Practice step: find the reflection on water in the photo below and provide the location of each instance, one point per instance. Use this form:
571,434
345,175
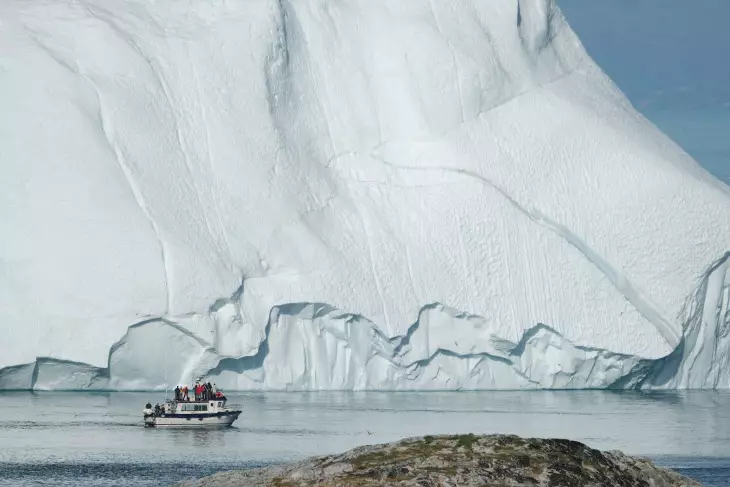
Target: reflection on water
206,439
42,433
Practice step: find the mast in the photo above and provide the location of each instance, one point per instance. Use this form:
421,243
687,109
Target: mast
166,364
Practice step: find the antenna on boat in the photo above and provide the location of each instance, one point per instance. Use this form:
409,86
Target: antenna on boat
166,365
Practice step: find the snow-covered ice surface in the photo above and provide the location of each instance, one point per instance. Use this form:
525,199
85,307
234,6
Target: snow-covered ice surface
307,194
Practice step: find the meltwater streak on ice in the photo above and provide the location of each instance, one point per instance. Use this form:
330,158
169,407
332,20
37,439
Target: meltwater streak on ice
170,88
632,295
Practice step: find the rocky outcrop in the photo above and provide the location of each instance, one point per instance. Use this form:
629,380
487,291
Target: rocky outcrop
462,460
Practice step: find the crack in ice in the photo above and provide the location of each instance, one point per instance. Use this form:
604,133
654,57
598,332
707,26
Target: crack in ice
106,129
633,295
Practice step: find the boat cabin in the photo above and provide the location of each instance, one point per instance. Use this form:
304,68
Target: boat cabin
192,413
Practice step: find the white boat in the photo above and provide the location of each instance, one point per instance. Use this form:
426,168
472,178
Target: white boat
192,414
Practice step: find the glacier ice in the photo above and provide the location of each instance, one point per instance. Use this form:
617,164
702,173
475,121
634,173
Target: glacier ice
313,346
314,194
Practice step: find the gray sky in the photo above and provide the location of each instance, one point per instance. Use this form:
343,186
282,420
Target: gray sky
672,59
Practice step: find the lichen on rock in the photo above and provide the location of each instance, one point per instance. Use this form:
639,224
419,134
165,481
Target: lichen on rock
462,460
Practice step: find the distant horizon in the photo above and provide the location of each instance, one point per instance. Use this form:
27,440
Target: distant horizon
671,60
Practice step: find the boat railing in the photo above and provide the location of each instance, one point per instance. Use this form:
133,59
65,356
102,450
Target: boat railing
235,407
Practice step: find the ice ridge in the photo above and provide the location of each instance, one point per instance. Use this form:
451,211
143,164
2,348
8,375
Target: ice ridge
314,346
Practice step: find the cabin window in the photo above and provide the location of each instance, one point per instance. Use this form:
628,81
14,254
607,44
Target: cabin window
194,407
220,404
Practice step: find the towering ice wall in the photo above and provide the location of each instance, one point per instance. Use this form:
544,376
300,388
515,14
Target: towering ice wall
342,194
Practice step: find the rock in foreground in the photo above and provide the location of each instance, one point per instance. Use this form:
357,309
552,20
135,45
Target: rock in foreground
462,460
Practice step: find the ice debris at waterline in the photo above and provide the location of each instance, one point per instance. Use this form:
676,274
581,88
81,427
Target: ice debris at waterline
314,347
193,167
463,460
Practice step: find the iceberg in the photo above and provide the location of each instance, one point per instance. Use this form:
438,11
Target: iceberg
312,346
332,194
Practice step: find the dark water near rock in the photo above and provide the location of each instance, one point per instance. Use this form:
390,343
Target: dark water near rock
90,439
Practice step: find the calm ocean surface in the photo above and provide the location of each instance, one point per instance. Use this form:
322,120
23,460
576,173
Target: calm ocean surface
84,439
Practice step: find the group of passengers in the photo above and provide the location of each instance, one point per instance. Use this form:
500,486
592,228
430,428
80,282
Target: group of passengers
202,392
148,411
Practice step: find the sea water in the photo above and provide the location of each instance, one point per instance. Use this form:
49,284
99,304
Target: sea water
84,439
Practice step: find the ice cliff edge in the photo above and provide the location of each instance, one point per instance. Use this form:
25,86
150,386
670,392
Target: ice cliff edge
282,193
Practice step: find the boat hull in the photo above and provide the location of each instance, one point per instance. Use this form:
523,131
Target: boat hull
217,420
